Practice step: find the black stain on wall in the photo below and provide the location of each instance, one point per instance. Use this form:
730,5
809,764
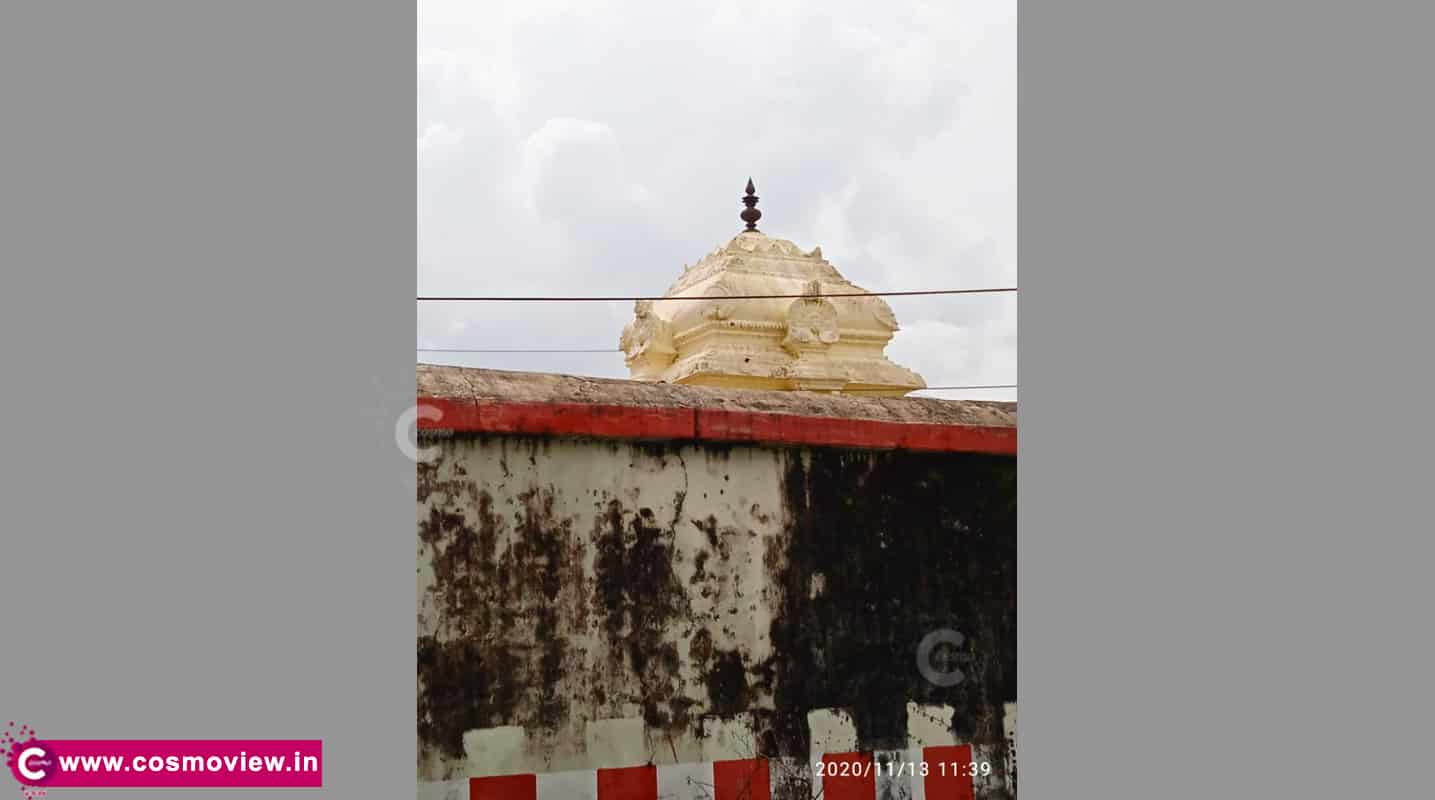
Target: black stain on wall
901,544
727,684
498,656
877,549
642,599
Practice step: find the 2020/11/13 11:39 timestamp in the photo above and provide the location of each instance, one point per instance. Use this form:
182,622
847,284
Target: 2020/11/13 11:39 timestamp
892,769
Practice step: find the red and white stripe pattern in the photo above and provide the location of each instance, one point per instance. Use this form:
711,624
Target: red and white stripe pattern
844,776
721,780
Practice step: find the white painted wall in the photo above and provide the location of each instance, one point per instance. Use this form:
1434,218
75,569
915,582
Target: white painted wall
738,489
568,485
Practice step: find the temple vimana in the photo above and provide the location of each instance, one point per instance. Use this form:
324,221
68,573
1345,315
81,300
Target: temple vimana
733,321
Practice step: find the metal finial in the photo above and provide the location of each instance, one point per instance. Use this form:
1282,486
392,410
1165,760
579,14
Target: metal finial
750,215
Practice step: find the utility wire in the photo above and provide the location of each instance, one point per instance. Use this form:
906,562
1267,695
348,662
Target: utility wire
615,350
460,350
928,388
534,299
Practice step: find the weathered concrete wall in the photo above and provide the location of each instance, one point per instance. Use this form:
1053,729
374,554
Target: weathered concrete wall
598,603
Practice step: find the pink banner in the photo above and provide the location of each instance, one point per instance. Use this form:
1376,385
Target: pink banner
159,763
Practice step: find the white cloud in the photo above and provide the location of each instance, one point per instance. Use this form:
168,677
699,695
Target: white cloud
436,137
574,148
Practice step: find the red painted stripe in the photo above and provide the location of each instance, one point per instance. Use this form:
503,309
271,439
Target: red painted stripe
558,419
848,776
710,424
743,779
948,772
753,426
503,787
628,783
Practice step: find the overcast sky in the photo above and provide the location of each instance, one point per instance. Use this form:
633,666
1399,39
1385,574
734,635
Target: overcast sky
595,148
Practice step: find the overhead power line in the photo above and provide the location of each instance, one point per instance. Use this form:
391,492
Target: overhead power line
540,350
615,350
545,299
928,388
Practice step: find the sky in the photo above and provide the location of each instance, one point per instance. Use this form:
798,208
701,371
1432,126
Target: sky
595,148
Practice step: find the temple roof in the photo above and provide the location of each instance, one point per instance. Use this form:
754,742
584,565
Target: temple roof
804,339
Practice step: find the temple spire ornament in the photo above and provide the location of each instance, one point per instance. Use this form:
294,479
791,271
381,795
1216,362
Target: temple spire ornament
750,215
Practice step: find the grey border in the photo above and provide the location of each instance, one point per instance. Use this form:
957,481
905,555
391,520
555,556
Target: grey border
207,320
1224,560
207,264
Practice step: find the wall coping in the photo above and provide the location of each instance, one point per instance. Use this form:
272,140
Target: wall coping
472,400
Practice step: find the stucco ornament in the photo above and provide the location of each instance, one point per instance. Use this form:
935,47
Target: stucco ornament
719,310
647,342
809,337
884,316
811,322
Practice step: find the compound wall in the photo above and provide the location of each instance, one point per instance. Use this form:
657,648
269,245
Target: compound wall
591,603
